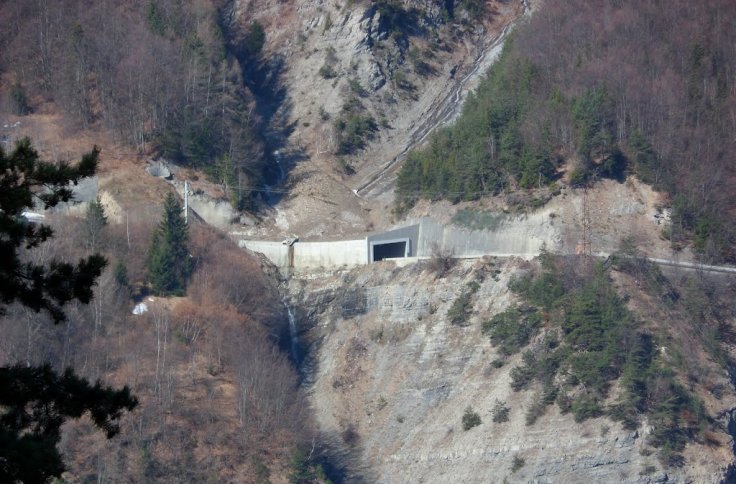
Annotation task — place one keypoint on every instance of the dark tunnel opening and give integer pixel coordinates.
(389, 250)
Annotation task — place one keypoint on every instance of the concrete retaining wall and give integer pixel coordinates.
(276, 252)
(330, 255)
(519, 237)
(312, 255)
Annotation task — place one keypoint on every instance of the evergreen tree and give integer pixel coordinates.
(19, 100)
(35, 401)
(94, 221)
(22, 176)
(121, 275)
(169, 262)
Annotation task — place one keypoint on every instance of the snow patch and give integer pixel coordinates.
(140, 308)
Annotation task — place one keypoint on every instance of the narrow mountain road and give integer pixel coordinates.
(445, 109)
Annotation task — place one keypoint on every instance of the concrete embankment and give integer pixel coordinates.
(306, 256)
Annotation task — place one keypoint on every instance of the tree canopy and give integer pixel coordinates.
(24, 179)
(134, 56)
(638, 90)
(38, 401)
(35, 401)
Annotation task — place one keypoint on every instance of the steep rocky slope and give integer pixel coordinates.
(338, 62)
(391, 376)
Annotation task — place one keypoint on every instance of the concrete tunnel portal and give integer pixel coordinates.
(389, 249)
(393, 244)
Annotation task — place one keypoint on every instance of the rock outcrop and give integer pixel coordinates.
(391, 377)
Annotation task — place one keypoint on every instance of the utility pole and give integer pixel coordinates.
(587, 249)
(186, 201)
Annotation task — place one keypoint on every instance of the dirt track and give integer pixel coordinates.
(447, 108)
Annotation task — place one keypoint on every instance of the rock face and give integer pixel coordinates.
(348, 61)
(391, 378)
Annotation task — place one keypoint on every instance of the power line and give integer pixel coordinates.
(418, 192)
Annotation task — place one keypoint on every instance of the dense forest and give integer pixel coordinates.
(602, 89)
(165, 77)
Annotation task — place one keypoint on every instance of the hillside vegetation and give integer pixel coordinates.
(588, 346)
(163, 76)
(602, 89)
(559, 370)
(219, 401)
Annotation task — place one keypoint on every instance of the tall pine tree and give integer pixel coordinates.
(169, 262)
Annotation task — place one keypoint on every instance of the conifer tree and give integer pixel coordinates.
(25, 180)
(169, 262)
(94, 221)
(36, 401)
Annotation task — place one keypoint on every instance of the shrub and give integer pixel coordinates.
(353, 132)
(462, 308)
(357, 88)
(541, 401)
(470, 419)
(517, 463)
(522, 376)
(327, 72)
(401, 80)
(585, 407)
(397, 19)
(255, 39)
(512, 329)
(500, 412)
(345, 167)
(546, 289)
(303, 469)
(354, 127)
(441, 261)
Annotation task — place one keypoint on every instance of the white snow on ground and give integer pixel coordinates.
(140, 308)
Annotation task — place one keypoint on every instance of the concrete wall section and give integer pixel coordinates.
(330, 255)
(311, 255)
(520, 236)
(276, 252)
(468, 243)
(430, 237)
(524, 235)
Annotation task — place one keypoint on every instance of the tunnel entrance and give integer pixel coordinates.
(389, 249)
